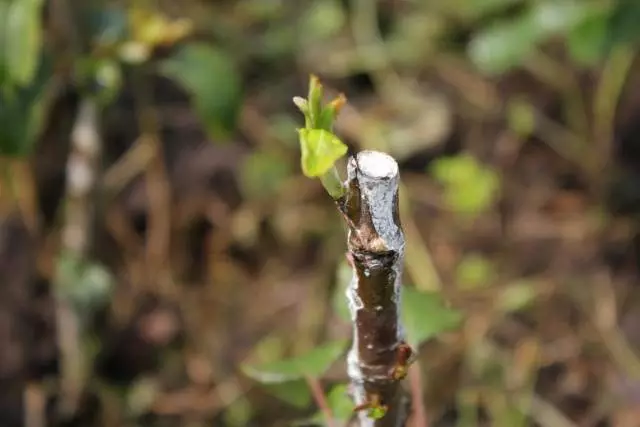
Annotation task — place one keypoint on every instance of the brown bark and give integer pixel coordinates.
(375, 250)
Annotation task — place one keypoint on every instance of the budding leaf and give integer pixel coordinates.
(377, 412)
(316, 93)
(320, 150)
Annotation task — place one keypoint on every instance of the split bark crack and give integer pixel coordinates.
(376, 252)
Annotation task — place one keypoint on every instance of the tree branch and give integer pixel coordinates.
(376, 252)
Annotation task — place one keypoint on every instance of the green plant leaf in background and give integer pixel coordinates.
(4, 16)
(502, 46)
(313, 364)
(587, 40)
(295, 393)
(320, 150)
(474, 271)
(22, 39)
(470, 188)
(506, 44)
(623, 25)
(214, 83)
(426, 315)
(23, 112)
(340, 405)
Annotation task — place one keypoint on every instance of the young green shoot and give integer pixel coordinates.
(319, 147)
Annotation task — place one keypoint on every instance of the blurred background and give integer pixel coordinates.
(157, 234)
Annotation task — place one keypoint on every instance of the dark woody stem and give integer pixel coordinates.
(375, 251)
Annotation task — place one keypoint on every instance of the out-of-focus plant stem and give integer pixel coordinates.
(82, 167)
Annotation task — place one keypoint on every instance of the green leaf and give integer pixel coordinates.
(22, 40)
(470, 188)
(23, 112)
(474, 271)
(455, 170)
(587, 40)
(214, 83)
(295, 393)
(503, 45)
(341, 408)
(506, 44)
(426, 315)
(320, 150)
(4, 16)
(623, 27)
(557, 16)
(313, 364)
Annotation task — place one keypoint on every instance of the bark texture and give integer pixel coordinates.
(376, 252)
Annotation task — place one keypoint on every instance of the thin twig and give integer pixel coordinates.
(417, 397)
(318, 396)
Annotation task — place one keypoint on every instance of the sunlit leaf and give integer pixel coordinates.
(320, 150)
(214, 83)
(313, 363)
(295, 393)
(426, 315)
(23, 39)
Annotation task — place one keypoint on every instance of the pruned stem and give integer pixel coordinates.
(376, 251)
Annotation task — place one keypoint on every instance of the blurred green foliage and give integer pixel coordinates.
(469, 187)
(312, 364)
(590, 29)
(210, 77)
